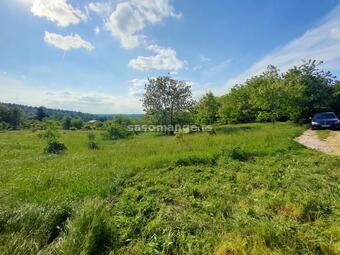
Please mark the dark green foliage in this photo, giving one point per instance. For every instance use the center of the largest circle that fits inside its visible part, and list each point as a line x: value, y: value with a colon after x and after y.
x: 4, y: 125
x: 236, y: 154
x: 15, y: 118
x: 41, y: 114
x: 10, y: 118
x: 55, y: 147
x: 336, y: 98
x: 51, y: 136
x: 67, y: 123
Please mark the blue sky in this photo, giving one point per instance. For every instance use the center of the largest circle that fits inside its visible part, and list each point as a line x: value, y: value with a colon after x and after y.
x: 94, y: 56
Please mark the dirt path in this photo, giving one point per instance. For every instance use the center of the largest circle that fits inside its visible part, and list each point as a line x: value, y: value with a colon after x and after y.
x: 311, y: 140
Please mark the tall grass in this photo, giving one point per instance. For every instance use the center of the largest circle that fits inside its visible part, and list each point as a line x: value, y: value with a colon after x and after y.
x: 248, y: 189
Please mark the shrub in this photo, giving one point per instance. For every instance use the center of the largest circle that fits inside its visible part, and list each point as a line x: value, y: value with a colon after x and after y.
x: 51, y: 136
x: 92, y: 145
x: 116, y: 131
x: 55, y: 148
x: 4, y: 125
x: 237, y: 154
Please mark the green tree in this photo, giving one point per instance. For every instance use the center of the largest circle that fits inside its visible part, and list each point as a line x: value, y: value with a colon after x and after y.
x: 67, y: 122
x: 166, y: 99
x: 51, y: 136
x: 115, y: 131
x: 77, y: 123
x: 336, y: 98
x: 15, y: 118
x: 268, y: 95
x: 41, y: 114
x: 4, y: 113
x: 308, y: 90
x: 122, y: 120
x: 235, y: 107
x: 207, y: 109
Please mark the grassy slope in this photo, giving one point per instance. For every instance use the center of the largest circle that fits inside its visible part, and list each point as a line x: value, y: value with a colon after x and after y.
x: 162, y: 195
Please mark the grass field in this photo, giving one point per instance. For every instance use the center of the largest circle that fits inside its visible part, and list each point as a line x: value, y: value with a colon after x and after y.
x: 249, y: 189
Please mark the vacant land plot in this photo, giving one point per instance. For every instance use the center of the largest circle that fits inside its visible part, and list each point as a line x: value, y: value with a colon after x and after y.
x: 248, y: 189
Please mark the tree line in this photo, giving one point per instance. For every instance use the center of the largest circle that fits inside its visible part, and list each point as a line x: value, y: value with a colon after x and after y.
x: 293, y: 95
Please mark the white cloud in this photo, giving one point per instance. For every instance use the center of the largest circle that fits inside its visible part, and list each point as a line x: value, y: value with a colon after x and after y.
x: 321, y: 43
x: 58, y: 11
x: 137, y: 87
x: 197, y: 67
x: 204, y: 59
x: 100, y: 8
x: 335, y: 32
x: 199, y: 89
x: 129, y: 19
x: 22, y: 92
x: 67, y: 42
x: 97, y: 30
x: 218, y: 68
x: 165, y: 59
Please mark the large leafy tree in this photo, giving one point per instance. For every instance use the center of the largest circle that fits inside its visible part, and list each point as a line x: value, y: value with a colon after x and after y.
x: 166, y: 100
x: 309, y: 90
x: 268, y: 95
x: 235, y: 107
x: 336, y: 98
x: 207, y: 109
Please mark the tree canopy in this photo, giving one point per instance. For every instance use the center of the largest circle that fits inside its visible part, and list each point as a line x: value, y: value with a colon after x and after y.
x: 166, y: 100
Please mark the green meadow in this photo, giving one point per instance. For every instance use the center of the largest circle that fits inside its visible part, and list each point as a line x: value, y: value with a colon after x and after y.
x: 248, y: 189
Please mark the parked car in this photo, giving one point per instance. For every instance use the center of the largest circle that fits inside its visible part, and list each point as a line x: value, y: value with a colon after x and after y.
x: 325, y: 120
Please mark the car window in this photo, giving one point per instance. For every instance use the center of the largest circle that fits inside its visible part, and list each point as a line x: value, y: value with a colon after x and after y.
x: 322, y: 116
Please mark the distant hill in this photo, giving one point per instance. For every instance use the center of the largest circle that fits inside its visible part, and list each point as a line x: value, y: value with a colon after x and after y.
x: 30, y: 111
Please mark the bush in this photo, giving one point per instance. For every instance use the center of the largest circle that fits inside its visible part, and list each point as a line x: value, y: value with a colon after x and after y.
x: 237, y: 154
x: 116, y: 131
x: 55, y: 148
x: 92, y: 145
x: 51, y: 136
x: 4, y: 125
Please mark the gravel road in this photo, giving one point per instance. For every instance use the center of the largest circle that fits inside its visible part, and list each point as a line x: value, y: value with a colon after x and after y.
x: 311, y: 140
